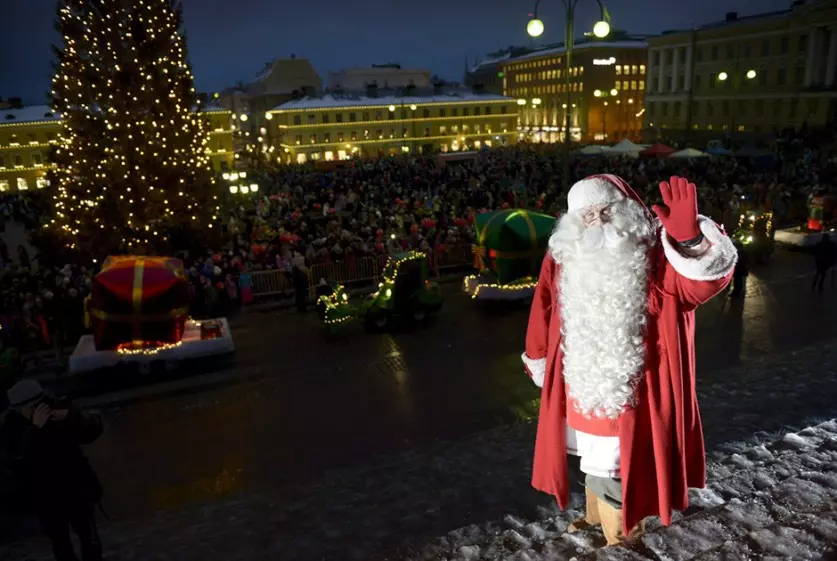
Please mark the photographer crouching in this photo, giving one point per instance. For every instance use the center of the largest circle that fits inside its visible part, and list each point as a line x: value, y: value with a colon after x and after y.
x: 40, y: 440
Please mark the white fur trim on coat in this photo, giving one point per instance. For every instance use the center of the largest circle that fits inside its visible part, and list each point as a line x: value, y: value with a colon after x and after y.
x: 536, y: 369
x: 713, y: 264
x: 592, y: 191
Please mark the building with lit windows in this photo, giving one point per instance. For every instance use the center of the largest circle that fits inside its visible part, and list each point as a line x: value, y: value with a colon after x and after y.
x: 336, y: 127
x: 607, y: 86
x: 745, y: 77
x: 28, y: 133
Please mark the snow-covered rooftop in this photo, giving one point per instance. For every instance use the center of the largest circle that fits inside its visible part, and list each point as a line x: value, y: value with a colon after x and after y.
x: 28, y: 114
x: 348, y: 100
x: 490, y: 61
x: 583, y: 47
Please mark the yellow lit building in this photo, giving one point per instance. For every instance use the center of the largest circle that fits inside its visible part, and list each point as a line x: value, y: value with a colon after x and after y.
x: 335, y: 127
x: 27, y: 134
x: 607, y: 90
x: 745, y: 76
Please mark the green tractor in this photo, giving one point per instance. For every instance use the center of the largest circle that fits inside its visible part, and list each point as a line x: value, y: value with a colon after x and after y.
x: 405, y: 291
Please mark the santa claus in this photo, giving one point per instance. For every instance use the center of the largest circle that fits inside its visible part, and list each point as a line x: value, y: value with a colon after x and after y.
x: 611, y: 343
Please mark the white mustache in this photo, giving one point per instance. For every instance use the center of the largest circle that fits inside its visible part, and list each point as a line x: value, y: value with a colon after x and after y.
x: 600, y: 236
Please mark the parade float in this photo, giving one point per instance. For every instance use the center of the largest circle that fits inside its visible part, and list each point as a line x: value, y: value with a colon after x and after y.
x: 404, y: 291
x: 510, y: 245
x: 138, y: 312
x: 756, y: 233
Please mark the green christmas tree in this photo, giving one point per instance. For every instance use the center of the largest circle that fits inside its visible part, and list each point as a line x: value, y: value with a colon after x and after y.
x: 131, y: 173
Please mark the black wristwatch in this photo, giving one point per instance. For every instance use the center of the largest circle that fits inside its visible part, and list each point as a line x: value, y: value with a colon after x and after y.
x: 692, y: 242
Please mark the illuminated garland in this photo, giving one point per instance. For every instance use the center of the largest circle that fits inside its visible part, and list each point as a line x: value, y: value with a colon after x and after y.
x: 525, y: 283
x: 131, y: 160
x: 335, y: 303
x: 746, y: 223
x: 146, y: 348
x: 388, y: 281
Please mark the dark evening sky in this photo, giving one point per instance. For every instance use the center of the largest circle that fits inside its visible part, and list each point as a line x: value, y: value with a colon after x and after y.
x: 231, y: 40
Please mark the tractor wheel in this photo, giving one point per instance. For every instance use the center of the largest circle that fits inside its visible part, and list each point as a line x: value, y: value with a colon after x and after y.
x: 377, y: 322
x: 419, y: 314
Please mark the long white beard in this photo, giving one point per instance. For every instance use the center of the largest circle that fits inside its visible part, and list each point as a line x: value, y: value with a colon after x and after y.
x: 604, y: 307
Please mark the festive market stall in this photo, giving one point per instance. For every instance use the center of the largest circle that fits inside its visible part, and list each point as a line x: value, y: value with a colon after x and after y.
x: 508, y: 253
x: 657, y: 151
x: 138, y: 311
x: 404, y: 291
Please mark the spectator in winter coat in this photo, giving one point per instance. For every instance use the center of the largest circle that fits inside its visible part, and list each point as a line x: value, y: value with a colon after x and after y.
x: 40, y: 439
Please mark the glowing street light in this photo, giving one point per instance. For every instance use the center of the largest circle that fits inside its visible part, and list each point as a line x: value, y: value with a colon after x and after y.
x: 614, y: 92
x: 601, y: 29
x: 243, y: 117
x: 268, y: 116
x: 723, y: 76
x: 521, y: 102
x: 751, y: 74
x: 392, y: 107
x: 597, y: 93
x: 413, y: 107
x: 534, y: 28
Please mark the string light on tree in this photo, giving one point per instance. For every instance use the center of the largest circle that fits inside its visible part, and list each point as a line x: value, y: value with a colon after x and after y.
x: 126, y: 97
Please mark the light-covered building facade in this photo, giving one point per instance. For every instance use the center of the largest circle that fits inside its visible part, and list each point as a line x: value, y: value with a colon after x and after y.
x: 335, y: 127
x: 607, y: 90
x: 28, y: 133
x: 745, y: 76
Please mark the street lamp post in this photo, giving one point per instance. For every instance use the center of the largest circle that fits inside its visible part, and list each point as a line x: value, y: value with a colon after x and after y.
x: 737, y: 79
x: 601, y: 29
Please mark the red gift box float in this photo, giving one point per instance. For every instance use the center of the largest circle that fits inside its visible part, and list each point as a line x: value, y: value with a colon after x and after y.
x: 139, y: 302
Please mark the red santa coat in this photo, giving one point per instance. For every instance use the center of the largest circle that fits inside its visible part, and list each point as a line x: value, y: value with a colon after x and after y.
x: 661, y: 438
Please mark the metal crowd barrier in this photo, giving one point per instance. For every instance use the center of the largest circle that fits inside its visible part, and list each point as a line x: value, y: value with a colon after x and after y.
x: 366, y: 270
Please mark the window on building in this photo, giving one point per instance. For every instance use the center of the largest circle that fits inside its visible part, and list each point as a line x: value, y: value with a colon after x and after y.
x: 633, y: 84
x: 811, y: 108
x: 465, y: 111
x: 378, y: 115
x: 454, y: 128
x: 426, y: 131
x: 799, y: 75
x: 22, y: 185
x: 747, y: 51
x: 476, y: 111
x: 677, y: 108
x: 625, y: 85
x: 742, y: 108
x: 37, y: 159
x: 2, y: 162
x: 626, y: 69
x: 762, y: 77
x: 693, y: 108
x: 4, y: 185
x: 758, y: 107
x: 710, y: 109
x: 392, y: 133
x: 18, y: 161
x: 713, y: 53
x: 338, y: 117
x: 699, y: 54
x: 297, y: 119
x: 642, y: 70
x: 443, y: 129
x: 730, y: 51
x: 696, y: 82
x: 765, y: 47
x: 312, y: 119
x: 652, y: 109
x: 340, y: 137
x: 503, y: 110
x: 442, y: 113
x: 352, y: 117
x: 353, y: 135
x: 365, y: 116
x: 725, y: 108
x: 379, y: 133
x: 403, y: 113
x: 634, y: 69
x: 664, y: 109
x: 713, y: 81
x: 313, y: 139
x: 803, y: 44
x: 792, y: 108
x: 325, y: 117
x: 488, y: 110
x: 327, y: 137
x: 50, y: 136
x: 299, y: 139
x: 781, y: 77
x: 391, y: 115
x: 783, y: 45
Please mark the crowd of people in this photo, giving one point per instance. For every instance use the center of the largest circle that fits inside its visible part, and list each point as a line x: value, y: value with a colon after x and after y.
x: 304, y: 216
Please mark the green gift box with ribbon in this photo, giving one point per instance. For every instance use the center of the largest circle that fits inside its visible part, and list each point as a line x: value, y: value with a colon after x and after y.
x: 511, y: 243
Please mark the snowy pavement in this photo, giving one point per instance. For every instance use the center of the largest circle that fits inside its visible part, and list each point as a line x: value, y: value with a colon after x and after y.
x: 766, y: 501
x: 766, y: 491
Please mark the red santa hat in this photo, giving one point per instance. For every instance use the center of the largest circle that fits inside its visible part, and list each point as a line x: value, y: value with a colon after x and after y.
x: 604, y: 189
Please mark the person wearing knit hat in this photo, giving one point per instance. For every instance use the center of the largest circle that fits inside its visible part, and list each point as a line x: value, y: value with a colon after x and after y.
x: 40, y: 438
x: 610, y: 341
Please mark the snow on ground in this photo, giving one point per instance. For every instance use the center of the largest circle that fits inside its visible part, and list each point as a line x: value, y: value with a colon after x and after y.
x: 770, y: 493
x: 775, y: 501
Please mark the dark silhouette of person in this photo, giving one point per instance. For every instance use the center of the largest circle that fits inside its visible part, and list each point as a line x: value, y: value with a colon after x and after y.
x: 825, y: 255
